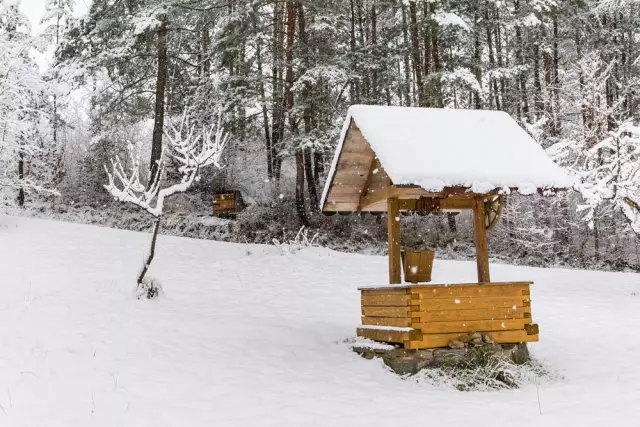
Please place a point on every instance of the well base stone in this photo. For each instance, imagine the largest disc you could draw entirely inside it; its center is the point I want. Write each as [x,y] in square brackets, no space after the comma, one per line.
[409,362]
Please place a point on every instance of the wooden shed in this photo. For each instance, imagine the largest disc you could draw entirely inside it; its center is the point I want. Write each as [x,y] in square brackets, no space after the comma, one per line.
[392,159]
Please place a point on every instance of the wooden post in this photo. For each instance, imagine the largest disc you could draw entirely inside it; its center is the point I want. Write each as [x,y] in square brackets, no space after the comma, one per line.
[393,235]
[482,246]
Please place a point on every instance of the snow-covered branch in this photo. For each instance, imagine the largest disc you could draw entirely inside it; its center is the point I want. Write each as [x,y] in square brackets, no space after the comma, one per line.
[192,147]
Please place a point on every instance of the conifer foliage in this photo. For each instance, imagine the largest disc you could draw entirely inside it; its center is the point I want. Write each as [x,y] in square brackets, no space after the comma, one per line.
[283,72]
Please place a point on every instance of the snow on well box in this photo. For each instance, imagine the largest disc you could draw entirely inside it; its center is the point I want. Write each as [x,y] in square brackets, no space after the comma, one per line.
[393,159]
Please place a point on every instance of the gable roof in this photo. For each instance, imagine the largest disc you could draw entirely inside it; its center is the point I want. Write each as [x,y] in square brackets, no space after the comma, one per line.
[434,149]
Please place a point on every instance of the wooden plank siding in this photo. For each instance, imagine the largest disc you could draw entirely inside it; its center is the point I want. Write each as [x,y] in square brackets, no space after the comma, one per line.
[352,172]
[397,322]
[443,340]
[391,336]
[474,314]
[438,314]
[386,299]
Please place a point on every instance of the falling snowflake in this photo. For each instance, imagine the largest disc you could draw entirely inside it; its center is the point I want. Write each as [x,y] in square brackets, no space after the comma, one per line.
[457,301]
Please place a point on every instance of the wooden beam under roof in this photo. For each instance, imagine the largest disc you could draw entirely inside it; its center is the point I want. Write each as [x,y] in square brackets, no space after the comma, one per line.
[409,195]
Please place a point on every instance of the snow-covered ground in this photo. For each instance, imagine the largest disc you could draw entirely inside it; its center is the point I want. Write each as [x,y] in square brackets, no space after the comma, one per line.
[246,336]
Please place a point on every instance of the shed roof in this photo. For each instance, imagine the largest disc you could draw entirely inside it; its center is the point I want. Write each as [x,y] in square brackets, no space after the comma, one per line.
[434,149]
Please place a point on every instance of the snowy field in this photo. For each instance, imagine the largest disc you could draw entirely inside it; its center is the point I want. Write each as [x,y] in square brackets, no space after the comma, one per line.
[246,336]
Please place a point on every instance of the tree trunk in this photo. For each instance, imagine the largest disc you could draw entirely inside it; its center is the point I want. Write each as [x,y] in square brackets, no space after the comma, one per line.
[451,221]
[596,235]
[21,177]
[539,103]
[556,79]
[55,97]
[499,56]
[405,51]
[522,78]
[308,109]
[493,83]
[476,57]
[299,155]
[263,98]
[415,49]
[278,89]
[548,81]
[152,252]
[354,94]
[437,64]
[161,85]
[374,42]
[364,87]
[205,43]
[427,38]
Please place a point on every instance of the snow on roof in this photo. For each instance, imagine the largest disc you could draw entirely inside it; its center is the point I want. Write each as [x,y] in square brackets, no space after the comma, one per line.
[436,148]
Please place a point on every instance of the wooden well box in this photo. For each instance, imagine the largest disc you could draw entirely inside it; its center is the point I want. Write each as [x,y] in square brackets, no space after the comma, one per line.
[431,316]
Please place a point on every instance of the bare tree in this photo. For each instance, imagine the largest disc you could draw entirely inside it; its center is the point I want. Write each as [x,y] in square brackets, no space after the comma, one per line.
[192,148]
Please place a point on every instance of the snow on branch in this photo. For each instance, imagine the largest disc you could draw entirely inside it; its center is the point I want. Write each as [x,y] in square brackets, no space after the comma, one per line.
[612,174]
[193,147]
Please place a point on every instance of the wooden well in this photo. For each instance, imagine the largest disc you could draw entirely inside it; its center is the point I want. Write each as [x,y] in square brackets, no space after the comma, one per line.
[431,316]
[424,315]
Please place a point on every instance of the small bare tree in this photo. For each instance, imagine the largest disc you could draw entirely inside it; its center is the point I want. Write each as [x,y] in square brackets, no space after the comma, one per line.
[192,147]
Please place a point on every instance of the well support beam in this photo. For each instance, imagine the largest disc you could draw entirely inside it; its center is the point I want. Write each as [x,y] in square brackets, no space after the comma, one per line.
[393,236]
[480,237]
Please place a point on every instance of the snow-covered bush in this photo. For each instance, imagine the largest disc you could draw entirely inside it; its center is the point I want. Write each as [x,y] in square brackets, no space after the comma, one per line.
[300,241]
[612,175]
[191,147]
[487,372]
[149,288]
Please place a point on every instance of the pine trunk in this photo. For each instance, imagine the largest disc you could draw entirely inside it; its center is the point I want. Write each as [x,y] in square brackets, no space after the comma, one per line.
[263,98]
[278,89]
[293,124]
[354,94]
[161,87]
[494,99]
[477,52]
[406,62]
[308,109]
[415,50]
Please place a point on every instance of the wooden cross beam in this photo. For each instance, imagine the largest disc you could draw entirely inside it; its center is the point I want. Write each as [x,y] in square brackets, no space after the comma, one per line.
[408,197]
